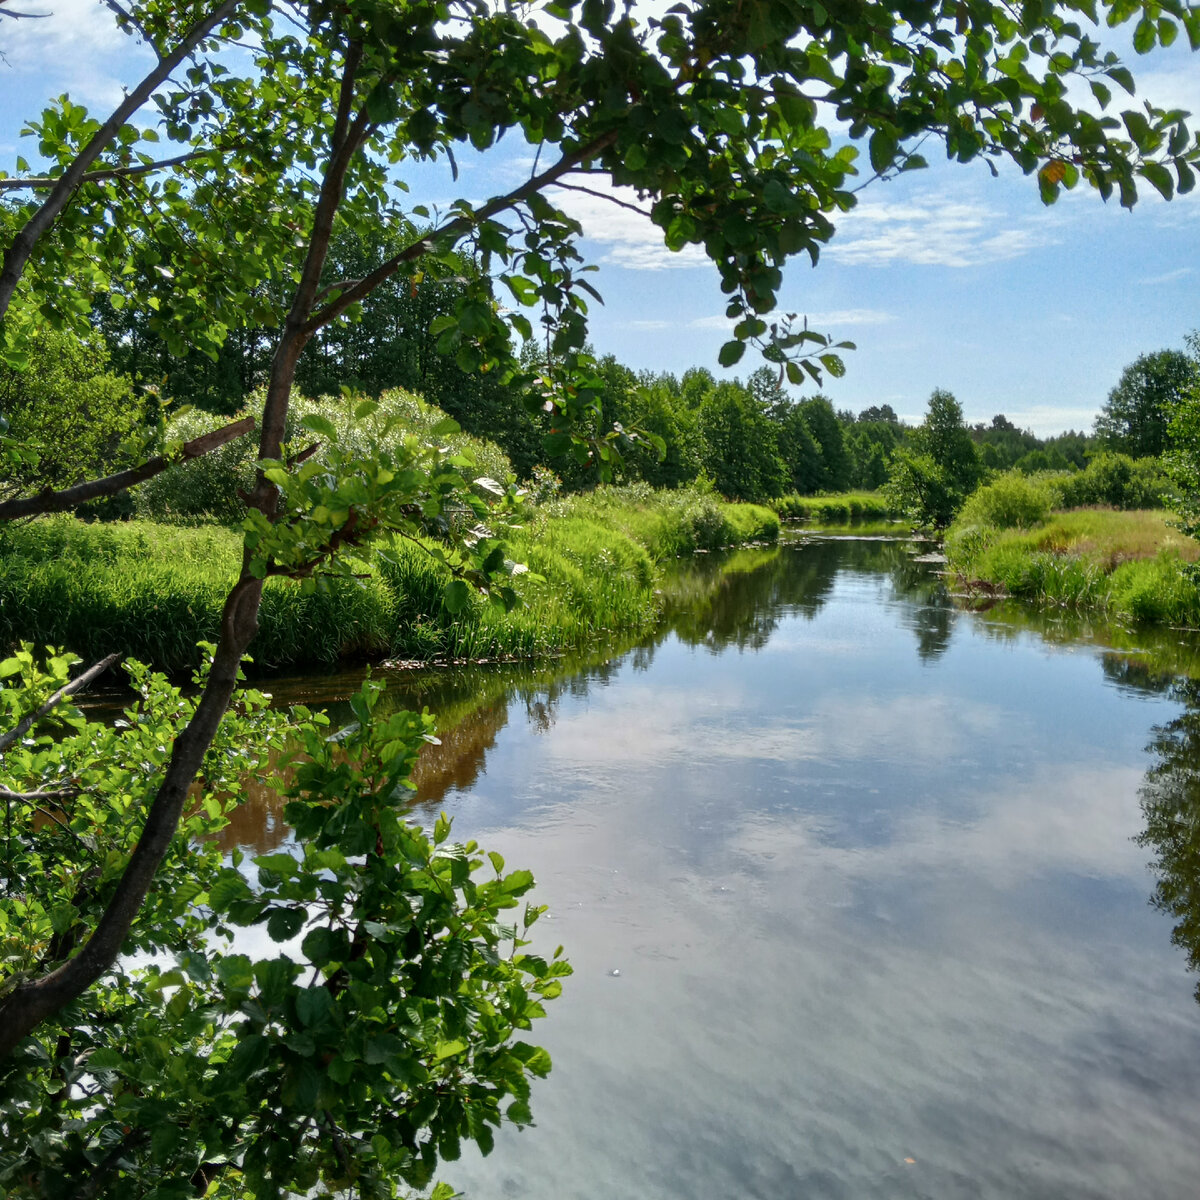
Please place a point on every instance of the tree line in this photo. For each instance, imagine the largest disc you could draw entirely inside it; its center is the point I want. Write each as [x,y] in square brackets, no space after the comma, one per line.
[85,405]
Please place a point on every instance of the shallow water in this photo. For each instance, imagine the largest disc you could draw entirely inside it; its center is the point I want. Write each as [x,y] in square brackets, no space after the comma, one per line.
[849,881]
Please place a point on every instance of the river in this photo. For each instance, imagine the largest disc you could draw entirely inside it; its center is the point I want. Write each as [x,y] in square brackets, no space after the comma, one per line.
[850,881]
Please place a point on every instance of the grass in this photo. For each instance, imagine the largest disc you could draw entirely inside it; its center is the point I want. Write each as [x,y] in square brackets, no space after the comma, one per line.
[844,508]
[153,591]
[1131,565]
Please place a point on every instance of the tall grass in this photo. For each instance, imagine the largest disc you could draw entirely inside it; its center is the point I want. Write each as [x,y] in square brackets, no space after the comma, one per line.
[669,524]
[844,508]
[1131,565]
[155,590]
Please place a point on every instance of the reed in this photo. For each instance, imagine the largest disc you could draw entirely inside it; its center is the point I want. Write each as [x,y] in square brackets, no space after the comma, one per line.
[1131,565]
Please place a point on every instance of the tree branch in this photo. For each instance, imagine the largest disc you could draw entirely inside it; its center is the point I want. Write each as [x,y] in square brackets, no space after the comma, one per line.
[72,497]
[457,227]
[80,681]
[33,1000]
[42,182]
[17,254]
[579,187]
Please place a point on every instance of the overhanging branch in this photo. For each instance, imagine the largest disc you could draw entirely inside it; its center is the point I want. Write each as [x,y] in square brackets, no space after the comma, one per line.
[456,228]
[17,253]
[95,489]
[80,681]
[43,182]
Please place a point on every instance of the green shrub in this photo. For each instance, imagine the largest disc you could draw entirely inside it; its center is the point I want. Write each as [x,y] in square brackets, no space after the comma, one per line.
[70,411]
[207,489]
[846,508]
[154,590]
[1112,479]
[1010,501]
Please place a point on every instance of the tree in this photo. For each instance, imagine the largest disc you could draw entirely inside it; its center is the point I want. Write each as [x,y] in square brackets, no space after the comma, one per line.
[1138,410]
[741,447]
[837,467]
[1182,458]
[70,412]
[290,122]
[933,475]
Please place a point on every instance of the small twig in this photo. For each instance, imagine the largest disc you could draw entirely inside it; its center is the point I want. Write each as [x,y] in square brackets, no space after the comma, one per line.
[329,288]
[46,181]
[9,739]
[338,1147]
[579,187]
[304,455]
[49,794]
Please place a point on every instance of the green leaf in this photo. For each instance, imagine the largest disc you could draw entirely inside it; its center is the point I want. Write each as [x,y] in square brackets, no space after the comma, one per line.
[284,923]
[456,596]
[448,1049]
[731,352]
[882,147]
[1160,177]
[320,425]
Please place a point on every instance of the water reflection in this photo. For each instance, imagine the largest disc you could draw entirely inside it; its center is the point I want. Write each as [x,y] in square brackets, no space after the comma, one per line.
[1171,803]
[866,866]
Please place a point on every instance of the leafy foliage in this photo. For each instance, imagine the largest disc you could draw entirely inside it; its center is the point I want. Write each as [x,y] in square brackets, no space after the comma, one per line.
[1137,413]
[931,480]
[73,418]
[383,1029]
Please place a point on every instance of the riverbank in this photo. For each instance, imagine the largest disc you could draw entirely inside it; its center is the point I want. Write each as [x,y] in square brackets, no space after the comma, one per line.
[841,509]
[153,591]
[1131,565]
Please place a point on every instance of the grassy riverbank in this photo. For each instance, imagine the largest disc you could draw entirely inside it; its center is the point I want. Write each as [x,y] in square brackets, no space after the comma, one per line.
[154,590]
[1129,565]
[842,509]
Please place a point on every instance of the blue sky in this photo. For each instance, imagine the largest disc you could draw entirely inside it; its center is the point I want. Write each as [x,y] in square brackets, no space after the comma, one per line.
[944,278]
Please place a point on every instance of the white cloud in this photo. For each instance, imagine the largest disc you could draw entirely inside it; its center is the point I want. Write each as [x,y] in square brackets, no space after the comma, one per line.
[931,229]
[823,322]
[631,238]
[76,48]
[648,325]
[1170,87]
[1168,277]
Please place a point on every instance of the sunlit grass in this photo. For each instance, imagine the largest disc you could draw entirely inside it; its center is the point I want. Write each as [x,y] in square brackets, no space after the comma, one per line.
[154,591]
[844,508]
[1134,565]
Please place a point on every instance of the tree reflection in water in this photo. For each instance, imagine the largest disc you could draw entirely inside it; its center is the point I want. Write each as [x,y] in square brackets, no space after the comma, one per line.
[1170,798]
[714,602]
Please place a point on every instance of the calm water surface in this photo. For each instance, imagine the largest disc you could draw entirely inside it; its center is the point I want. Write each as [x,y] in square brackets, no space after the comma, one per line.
[850,885]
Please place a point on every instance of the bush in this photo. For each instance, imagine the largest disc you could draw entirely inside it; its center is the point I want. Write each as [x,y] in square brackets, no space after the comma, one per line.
[70,411]
[846,508]
[1010,501]
[1112,479]
[207,489]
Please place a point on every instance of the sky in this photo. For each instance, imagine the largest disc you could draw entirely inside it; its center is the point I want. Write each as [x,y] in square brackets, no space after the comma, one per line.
[944,278]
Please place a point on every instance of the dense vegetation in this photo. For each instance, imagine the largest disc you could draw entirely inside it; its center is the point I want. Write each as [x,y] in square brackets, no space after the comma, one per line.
[141,1054]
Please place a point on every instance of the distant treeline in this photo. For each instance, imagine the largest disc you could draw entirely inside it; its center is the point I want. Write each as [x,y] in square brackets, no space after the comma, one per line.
[83,406]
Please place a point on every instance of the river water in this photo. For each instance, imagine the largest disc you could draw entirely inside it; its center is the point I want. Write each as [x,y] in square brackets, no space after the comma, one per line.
[850,883]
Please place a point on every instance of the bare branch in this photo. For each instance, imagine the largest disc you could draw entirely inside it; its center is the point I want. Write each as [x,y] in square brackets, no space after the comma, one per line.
[16,255]
[330,288]
[44,794]
[81,681]
[72,497]
[579,187]
[43,182]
